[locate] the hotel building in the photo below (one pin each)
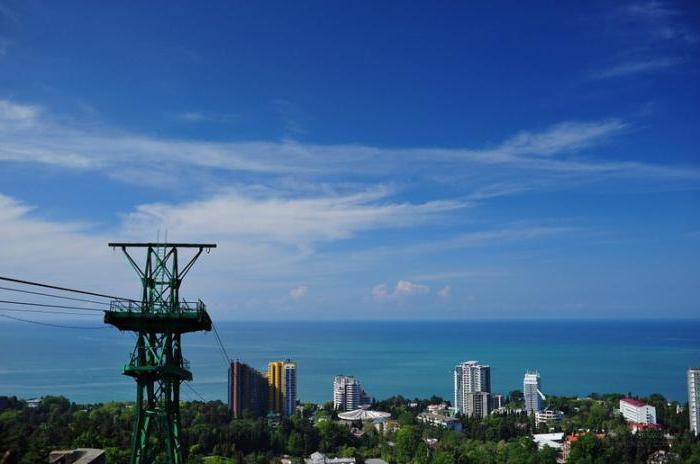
(534, 399)
(347, 393)
(694, 399)
(637, 412)
(247, 390)
(472, 387)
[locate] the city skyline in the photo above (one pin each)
(357, 162)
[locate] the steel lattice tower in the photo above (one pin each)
(156, 363)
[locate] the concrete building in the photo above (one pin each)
(438, 408)
(552, 440)
(282, 387)
(477, 404)
(534, 398)
(472, 386)
(290, 388)
(637, 412)
(78, 456)
(440, 420)
(247, 390)
(346, 393)
(694, 399)
(548, 416)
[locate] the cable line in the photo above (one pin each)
(227, 360)
(54, 296)
(194, 391)
(24, 310)
(65, 289)
(50, 324)
(44, 305)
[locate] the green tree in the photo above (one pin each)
(407, 439)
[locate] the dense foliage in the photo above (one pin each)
(212, 436)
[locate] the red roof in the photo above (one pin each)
(634, 402)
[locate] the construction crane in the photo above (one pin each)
(156, 363)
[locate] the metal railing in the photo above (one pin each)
(137, 307)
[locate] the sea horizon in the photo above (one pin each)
(412, 358)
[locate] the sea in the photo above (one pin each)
(409, 358)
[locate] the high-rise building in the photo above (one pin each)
(247, 390)
(477, 404)
(347, 393)
(534, 398)
(274, 382)
(289, 395)
(472, 386)
(694, 399)
(282, 384)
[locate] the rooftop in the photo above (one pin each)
(77, 456)
(634, 402)
(363, 415)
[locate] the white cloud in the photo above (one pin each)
(560, 138)
(444, 292)
(298, 221)
(459, 275)
(29, 134)
(636, 67)
(20, 116)
(59, 252)
(297, 293)
(205, 116)
(660, 21)
(402, 290)
(4, 46)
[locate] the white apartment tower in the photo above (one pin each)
(694, 399)
(346, 393)
(534, 398)
(472, 386)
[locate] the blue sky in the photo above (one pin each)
(361, 159)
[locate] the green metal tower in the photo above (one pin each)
(156, 363)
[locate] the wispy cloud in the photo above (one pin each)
(296, 221)
(9, 13)
(662, 20)
(4, 46)
(458, 275)
(28, 134)
(15, 113)
(444, 292)
(297, 293)
(636, 67)
(205, 116)
(52, 250)
(403, 289)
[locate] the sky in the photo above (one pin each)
(360, 160)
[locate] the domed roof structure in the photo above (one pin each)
(363, 415)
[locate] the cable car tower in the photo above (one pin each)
(157, 365)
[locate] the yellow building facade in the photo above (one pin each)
(282, 388)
